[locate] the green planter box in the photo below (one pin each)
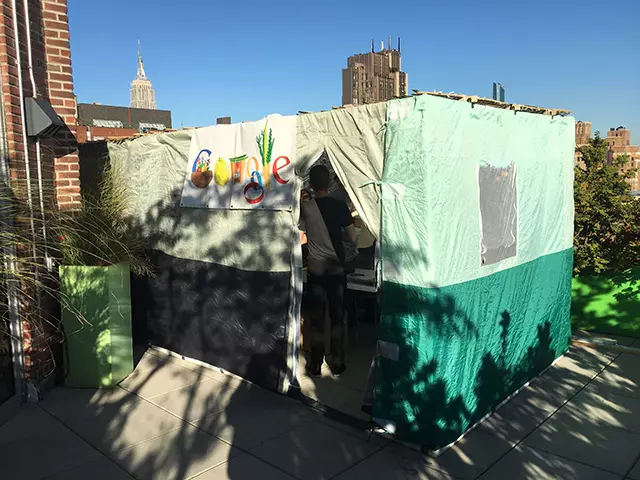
(98, 353)
(607, 303)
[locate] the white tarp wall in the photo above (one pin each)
(224, 290)
(354, 140)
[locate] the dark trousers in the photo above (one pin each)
(326, 292)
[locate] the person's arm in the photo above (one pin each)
(302, 228)
(351, 231)
(347, 224)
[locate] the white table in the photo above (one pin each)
(362, 280)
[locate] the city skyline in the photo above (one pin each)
(290, 67)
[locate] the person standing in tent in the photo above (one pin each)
(323, 219)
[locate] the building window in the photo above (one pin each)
(107, 123)
(498, 213)
(151, 126)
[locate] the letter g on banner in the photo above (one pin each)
(254, 191)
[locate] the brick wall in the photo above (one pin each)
(60, 172)
(90, 134)
(49, 25)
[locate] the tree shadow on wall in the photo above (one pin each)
(221, 287)
(207, 308)
(424, 396)
(496, 379)
(411, 392)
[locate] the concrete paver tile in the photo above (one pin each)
(43, 451)
(527, 463)
(210, 397)
(388, 465)
(329, 392)
(101, 469)
(151, 361)
(250, 422)
(363, 435)
(27, 422)
(580, 364)
(109, 419)
(627, 365)
(355, 377)
(471, 456)
(243, 467)
(594, 406)
(585, 439)
(195, 401)
(314, 451)
(622, 340)
(178, 454)
(534, 404)
(635, 472)
(545, 394)
(622, 377)
(171, 376)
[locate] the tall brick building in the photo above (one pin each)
(583, 133)
(41, 165)
(374, 76)
(619, 140)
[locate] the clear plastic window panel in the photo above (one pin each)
(498, 213)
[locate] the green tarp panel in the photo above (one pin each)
(97, 324)
(477, 227)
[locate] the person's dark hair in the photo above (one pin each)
(319, 178)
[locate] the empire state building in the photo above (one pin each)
(142, 94)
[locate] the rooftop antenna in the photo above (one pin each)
(141, 73)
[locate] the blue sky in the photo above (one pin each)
(212, 58)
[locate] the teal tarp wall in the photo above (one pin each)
(477, 227)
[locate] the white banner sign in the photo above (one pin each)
(242, 166)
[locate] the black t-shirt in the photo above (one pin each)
(336, 216)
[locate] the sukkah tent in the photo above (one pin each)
(477, 236)
(473, 206)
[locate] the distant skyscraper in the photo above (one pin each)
(498, 92)
(142, 94)
(374, 76)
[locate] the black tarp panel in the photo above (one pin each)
(227, 317)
